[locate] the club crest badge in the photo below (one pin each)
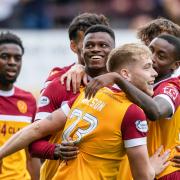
(22, 106)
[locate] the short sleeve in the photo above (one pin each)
(170, 93)
(51, 99)
(134, 127)
(66, 107)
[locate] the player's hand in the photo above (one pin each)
(159, 161)
(99, 82)
(176, 158)
(66, 151)
(75, 75)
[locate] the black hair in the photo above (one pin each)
(8, 37)
(175, 41)
(100, 28)
(156, 27)
(83, 21)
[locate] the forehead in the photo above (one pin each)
(98, 36)
(141, 60)
(162, 44)
(10, 48)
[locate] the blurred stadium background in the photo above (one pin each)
(42, 25)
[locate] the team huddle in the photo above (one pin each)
(112, 115)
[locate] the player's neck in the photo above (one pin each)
(6, 87)
(162, 77)
(95, 72)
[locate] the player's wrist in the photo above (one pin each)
(57, 152)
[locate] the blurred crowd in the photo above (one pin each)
(47, 14)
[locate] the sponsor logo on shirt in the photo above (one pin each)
(171, 92)
(22, 106)
(43, 101)
(141, 126)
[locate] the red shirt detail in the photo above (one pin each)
(171, 88)
(128, 127)
(56, 93)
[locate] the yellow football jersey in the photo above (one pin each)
(165, 132)
(17, 111)
(95, 125)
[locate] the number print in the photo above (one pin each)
(80, 133)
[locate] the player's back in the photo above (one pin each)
(95, 125)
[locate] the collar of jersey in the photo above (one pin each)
(7, 93)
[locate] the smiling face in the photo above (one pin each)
(141, 74)
(10, 64)
(96, 48)
(164, 56)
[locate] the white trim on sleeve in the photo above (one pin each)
(65, 108)
(42, 115)
(135, 142)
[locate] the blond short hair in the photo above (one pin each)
(127, 54)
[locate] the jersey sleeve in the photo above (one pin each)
(134, 127)
(170, 93)
(56, 72)
(42, 148)
(50, 99)
(66, 107)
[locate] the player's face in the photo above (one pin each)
(164, 59)
(96, 48)
(142, 75)
(10, 63)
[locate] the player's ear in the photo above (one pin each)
(73, 46)
(125, 74)
(176, 65)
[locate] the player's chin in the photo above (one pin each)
(150, 91)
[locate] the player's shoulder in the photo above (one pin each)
(135, 109)
(55, 85)
(58, 71)
(171, 82)
(112, 89)
(19, 92)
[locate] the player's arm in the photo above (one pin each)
(43, 149)
(155, 109)
(34, 131)
(139, 163)
(33, 166)
(134, 131)
(48, 102)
